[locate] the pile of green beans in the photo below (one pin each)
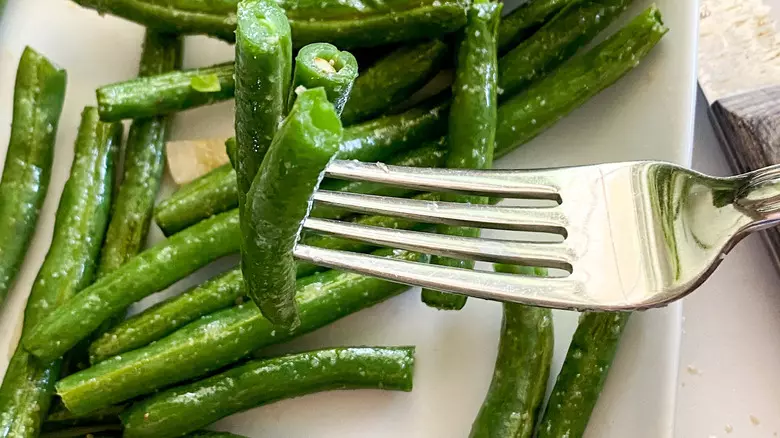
(82, 218)
(514, 77)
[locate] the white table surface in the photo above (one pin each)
(730, 354)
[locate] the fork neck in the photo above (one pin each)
(759, 197)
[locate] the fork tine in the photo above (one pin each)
(547, 255)
(561, 293)
(496, 183)
(546, 219)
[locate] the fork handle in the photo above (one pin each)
(748, 128)
(761, 197)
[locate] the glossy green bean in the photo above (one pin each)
(146, 273)
(514, 400)
(210, 194)
(222, 338)
(557, 41)
(548, 100)
(143, 165)
(472, 124)
(39, 93)
(165, 93)
(69, 266)
(343, 24)
(278, 202)
(324, 65)
(393, 79)
(523, 21)
(259, 382)
(583, 374)
(263, 70)
(167, 316)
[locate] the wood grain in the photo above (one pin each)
(748, 127)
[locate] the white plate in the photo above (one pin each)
(647, 115)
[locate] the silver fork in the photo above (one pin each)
(635, 235)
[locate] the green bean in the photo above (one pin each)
(472, 124)
(38, 96)
(230, 150)
(167, 316)
(557, 41)
(323, 65)
(263, 70)
(393, 79)
(514, 400)
(61, 418)
(210, 194)
(86, 431)
(389, 81)
(69, 266)
(583, 374)
(343, 24)
(548, 100)
(143, 165)
(374, 140)
(260, 382)
(169, 18)
(523, 21)
(165, 93)
(148, 272)
(278, 202)
(222, 338)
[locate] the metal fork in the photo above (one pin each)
(635, 235)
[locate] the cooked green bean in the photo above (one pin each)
(38, 96)
(323, 65)
(146, 273)
(143, 165)
(165, 93)
(222, 338)
(389, 81)
(548, 100)
(393, 79)
(210, 194)
(583, 374)
(523, 21)
(259, 382)
(374, 140)
(92, 431)
(167, 316)
(278, 202)
(472, 124)
(61, 418)
(69, 266)
(340, 23)
(263, 70)
(514, 400)
(559, 39)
